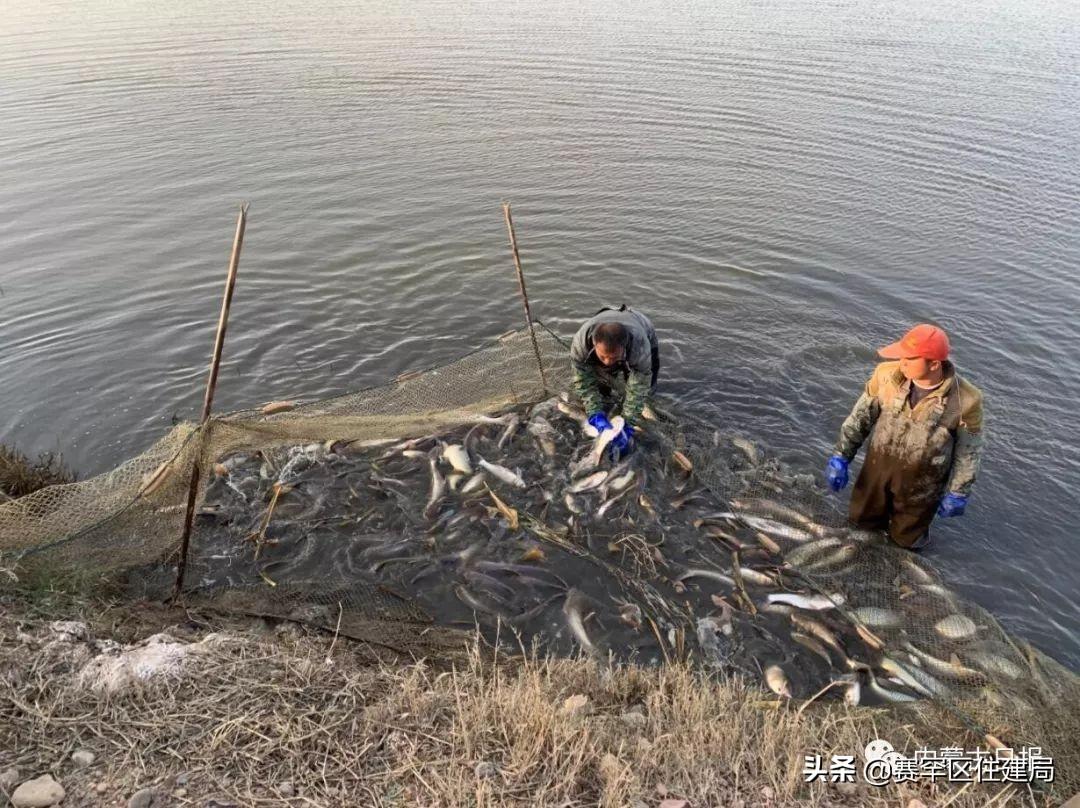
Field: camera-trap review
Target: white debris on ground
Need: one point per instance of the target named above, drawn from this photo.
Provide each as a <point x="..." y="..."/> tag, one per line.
<point x="106" y="666"/>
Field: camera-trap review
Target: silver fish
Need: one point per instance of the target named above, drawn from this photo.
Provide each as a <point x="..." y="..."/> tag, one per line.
<point x="876" y="617"/>
<point x="588" y="483"/>
<point x="778" y="511"/>
<point x="946" y="670"/>
<point x="770" y="526"/>
<point x="574" y="607"/>
<point x="508" y="433"/>
<point x="475" y="483"/>
<point x="438" y="489"/>
<point x="995" y="664"/>
<point x="503" y="474"/>
<point x="457" y="457"/>
<point x="777" y="681"/>
<point x="756" y="577"/>
<point x="609" y="504"/>
<point x="747" y="448"/>
<point x="956" y="627"/>
<point x="885" y="694"/>
<point x="804" y="552"/>
<point x="809" y="602"/>
<point x="813" y="645"/>
<point x="845" y="553"/>
<point x="619" y="483"/>
<point x="918" y="680"/>
<point x="712" y="575"/>
<point x="572" y="505"/>
<point x="818" y="630"/>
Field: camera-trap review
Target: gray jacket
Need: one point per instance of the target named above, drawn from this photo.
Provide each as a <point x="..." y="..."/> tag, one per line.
<point x="588" y="372"/>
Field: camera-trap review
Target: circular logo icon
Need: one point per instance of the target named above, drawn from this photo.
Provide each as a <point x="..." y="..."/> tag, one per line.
<point x="877" y="749"/>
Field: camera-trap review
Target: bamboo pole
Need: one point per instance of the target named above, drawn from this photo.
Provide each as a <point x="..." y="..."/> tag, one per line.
<point x="524" y="294"/>
<point x="208" y="399"/>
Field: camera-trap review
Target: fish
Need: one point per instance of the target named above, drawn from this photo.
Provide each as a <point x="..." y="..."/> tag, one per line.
<point x="884" y="694"/>
<point x="457" y="457"/>
<point x="574" y="607"/>
<point x="610" y="503"/>
<point x="438" y="489"/>
<point x="475" y="483"/>
<point x="995" y="664"/>
<point x="917" y="572"/>
<point x="946" y="670"/>
<point x="747" y="448"/>
<point x="765" y="541"/>
<point x="594" y="480"/>
<point x="153" y="481"/>
<point x="578" y="414"/>
<point x="804" y="552"/>
<point x="918" y="680"/>
<point x="770" y="526"/>
<point x="853" y="692"/>
<point x="956" y="627"/>
<point x="876" y="617"/>
<point x="777" y="681"/>
<point x="547" y="445"/>
<point x="756" y="577"/>
<point x="809" y="602"/>
<point x="572" y="505"/>
<point x="503" y="474"/>
<point x="619" y="483"/>
<point x="454" y="481"/>
<point x="845" y="553"/>
<point x="712" y="575"/>
<point x="604" y="439"/>
<point x="508" y="433"/>
<point x="277" y="406"/>
<point x="413" y="454"/>
<point x="539" y="427"/>
<point x="778" y="511"/>
<point x="474" y="602"/>
<point x="813" y="645"/>
<point x="818" y="630"/>
<point x="630" y="614"/>
<point x="683" y="462"/>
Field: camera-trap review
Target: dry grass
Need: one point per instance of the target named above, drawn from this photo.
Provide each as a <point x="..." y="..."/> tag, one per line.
<point x="295" y="707"/>
<point x="19" y="475"/>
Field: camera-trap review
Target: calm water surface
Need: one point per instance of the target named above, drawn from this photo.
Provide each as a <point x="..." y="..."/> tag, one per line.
<point x="782" y="186"/>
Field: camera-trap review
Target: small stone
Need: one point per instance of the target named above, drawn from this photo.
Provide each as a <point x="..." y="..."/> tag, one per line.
<point x="674" y="803"/>
<point x="915" y="802"/>
<point x="82" y="758"/>
<point x="768" y="794"/>
<point x="486" y="769"/>
<point x="182" y="778"/>
<point x="40" y="792"/>
<point x="180" y="792"/>
<point x="575" y="705"/>
<point x="143" y="798"/>
<point x="9" y="778"/>
<point x="101" y="788"/>
<point x="286" y="789"/>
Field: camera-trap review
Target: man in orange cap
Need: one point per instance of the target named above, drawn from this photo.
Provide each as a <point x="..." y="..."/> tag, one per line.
<point x="927" y="433"/>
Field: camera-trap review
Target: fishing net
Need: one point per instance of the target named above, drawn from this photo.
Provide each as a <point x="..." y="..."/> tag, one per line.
<point x="353" y="515"/>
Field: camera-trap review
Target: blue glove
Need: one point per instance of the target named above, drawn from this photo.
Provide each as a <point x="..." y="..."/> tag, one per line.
<point x="952" y="505"/>
<point x="836" y="473"/>
<point x="622" y="444"/>
<point x="599" y="421"/>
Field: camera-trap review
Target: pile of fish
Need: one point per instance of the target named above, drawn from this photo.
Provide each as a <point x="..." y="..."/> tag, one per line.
<point x="523" y="523"/>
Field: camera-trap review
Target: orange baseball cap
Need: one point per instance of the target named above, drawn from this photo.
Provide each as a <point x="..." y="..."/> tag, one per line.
<point x="924" y="340"/>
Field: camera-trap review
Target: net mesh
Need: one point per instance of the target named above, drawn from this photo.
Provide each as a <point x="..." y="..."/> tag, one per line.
<point x="345" y="513"/>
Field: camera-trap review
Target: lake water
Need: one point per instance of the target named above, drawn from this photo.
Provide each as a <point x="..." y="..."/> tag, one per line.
<point x="782" y="187"/>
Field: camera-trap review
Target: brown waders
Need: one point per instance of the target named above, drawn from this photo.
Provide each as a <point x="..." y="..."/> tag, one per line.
<point x="910" y="457"/>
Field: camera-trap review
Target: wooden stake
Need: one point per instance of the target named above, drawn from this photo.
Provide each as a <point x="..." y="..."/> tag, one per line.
<point x="211" y="385"/>
<point x="524" y="294"/>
